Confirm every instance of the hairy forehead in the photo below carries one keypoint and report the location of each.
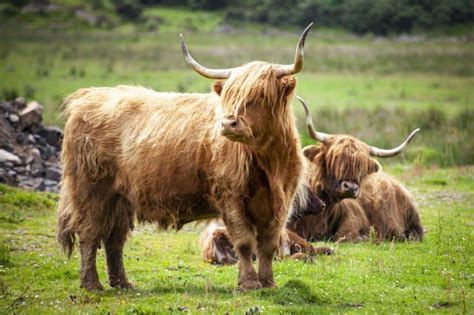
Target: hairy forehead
(250, 83)
(348, 158)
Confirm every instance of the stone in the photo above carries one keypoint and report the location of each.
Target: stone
(20, 102)
(6, 156)
(11, 173)
(53, 173)
(48, 182)
(32, 115)
(31, 139)
(37, 170)
(14, 118)
(52, 135)
(5, 131)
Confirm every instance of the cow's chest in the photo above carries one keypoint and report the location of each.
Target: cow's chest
(259, 206)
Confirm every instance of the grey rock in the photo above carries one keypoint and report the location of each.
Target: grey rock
(32, 115)
(14, 118)
(6, 156)
(5, 131)
(48, 182)
(37, 170)
(20, 102)
(11, 173)
(52, 135)
(30, 183)
(31, 139)
(53, 173)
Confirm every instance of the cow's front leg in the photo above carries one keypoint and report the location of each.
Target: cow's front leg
(243, 237)
(267, 244)
(89, 276)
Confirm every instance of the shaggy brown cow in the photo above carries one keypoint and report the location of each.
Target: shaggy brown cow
(342, 168)
(174, 158)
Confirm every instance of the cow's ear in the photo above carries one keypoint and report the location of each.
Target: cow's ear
(374, 166)
(217, 86)
(310, 151)
(288, 85)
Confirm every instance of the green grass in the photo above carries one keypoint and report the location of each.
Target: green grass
(435, 275)
(389, 86)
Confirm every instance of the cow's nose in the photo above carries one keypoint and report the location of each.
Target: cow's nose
(350, 187)
(229, 123)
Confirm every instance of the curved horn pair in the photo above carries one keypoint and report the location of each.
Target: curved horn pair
(324, 137)
(282, 70)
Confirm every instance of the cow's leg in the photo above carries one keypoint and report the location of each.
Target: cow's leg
(267, 244)
(115, 241)
(243, 237)
(89, 277)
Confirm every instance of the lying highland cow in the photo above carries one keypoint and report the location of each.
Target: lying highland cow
(342, 168)
(174, 158)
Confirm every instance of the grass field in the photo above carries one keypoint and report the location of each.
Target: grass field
(434, 276)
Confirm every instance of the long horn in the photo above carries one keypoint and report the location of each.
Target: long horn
(299, 56)
(395, 151)
(205, 72)
(316, 135)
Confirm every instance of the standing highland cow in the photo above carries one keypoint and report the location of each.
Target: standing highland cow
(174, 158)
(342, 168)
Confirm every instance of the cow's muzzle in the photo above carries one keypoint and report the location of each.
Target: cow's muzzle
(348, 189)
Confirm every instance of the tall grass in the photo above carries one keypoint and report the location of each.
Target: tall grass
(444, 140)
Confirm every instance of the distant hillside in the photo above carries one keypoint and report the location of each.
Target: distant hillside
(380, 17)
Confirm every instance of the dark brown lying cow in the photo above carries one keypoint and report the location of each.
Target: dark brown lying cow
(342, 168)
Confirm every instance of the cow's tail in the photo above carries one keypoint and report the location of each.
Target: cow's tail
(65, 236)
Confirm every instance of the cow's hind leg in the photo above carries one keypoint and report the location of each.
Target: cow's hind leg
(122, 223)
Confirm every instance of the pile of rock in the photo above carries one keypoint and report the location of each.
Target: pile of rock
(29, 152)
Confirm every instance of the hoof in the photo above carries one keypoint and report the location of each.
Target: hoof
(121, 284)
(268, 283)
(249, 285)
(92, 286)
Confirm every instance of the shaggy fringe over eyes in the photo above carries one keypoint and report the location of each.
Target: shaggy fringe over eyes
(348, 158)
(257, 82)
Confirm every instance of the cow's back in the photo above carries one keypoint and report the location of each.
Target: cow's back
(150, 147)
(388, 205)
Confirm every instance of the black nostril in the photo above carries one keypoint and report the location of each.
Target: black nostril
(233, 124)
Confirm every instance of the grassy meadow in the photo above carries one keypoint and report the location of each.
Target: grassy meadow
(392, 85)
(377, 89)
(434, 276)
